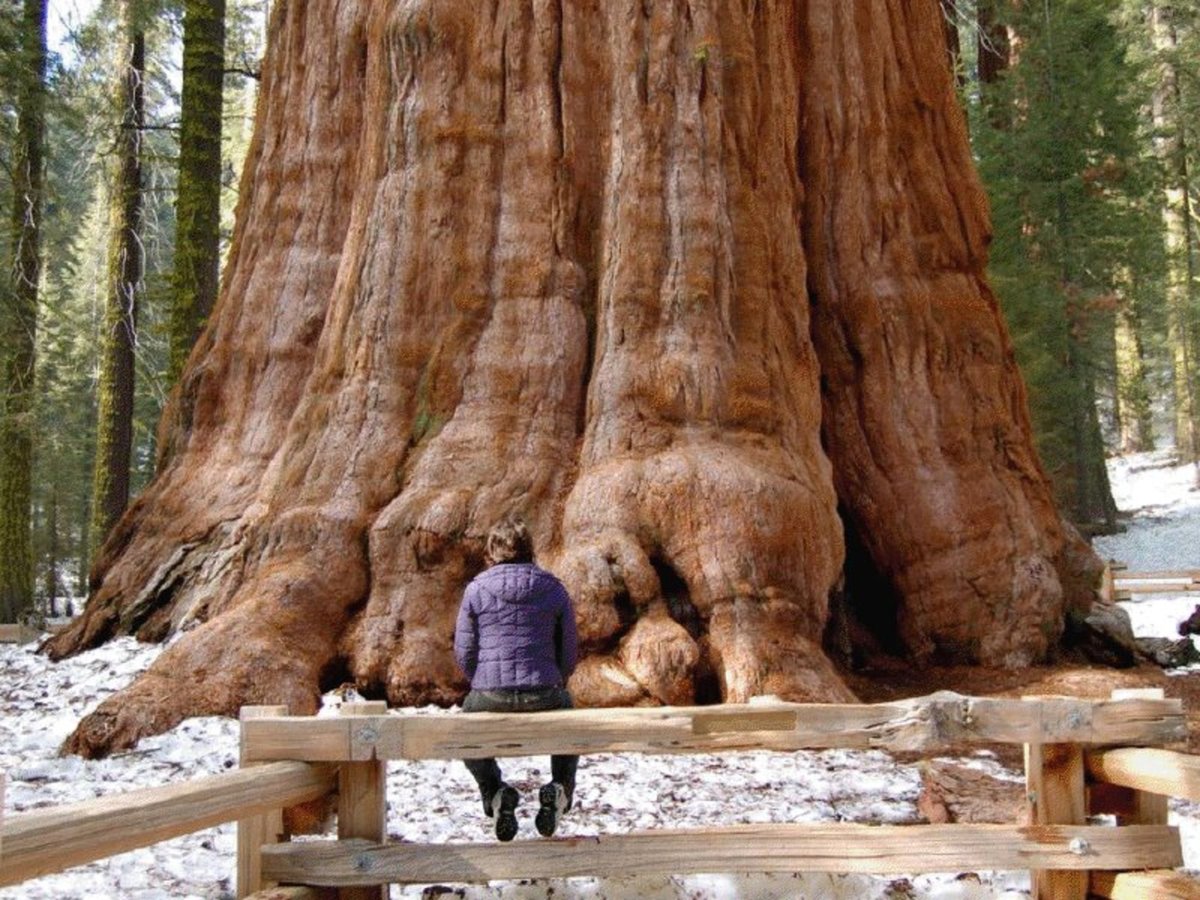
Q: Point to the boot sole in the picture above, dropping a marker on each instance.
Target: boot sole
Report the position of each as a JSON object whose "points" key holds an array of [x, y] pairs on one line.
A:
{"points": [[548, 814], [506, 819]]}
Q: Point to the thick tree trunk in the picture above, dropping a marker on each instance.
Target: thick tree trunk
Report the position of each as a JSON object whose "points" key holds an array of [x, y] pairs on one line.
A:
{"points": [[114, 415], [198, 206], [559, 258], [18, 321]]}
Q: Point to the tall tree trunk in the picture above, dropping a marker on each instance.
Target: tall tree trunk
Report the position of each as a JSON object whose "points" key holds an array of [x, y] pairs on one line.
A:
{"points": [[559, 258], [18, 321], [953, 42], [993, 44], [115, 392], [1172, 148], [1133, 401], [51, 588], [198, 207]]}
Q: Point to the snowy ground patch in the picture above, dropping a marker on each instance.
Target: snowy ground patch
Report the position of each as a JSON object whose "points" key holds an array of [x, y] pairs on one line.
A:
{"points": [[436, 801]]}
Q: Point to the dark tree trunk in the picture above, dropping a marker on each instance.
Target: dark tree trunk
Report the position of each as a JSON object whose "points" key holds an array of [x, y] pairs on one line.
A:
{"points": [[198, 208], [114, 421], [18, 321], [628, 269]]}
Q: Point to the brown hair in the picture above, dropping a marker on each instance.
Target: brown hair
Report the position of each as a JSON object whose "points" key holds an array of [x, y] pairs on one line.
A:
{"points": [[509, 542]]}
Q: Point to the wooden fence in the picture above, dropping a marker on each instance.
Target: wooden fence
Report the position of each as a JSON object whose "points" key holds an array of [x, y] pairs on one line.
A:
{"points": [[18, 634], [1121, 584], [1082, 758]]}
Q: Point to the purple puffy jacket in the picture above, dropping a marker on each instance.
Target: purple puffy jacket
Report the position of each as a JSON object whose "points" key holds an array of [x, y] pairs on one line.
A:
{"points": [[516, 629]]}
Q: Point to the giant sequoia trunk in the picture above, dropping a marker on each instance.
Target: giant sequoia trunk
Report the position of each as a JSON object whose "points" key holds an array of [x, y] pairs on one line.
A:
{"points": [[695, 286]]}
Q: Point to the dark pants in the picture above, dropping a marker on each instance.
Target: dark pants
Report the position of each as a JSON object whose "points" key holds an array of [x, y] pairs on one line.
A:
{"points": [[486, 771]]}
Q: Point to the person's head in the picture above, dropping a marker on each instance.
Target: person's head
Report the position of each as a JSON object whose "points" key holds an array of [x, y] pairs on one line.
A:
{"points": [[509, 542]]}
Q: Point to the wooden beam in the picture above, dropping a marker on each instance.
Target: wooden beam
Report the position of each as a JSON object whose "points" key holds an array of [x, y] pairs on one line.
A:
{"points": [[255, 829], [46, 841], [1159, 575], [1054, 787], [1161, 885], [1164, 772], [746, 848], [294, 893], [1153, 587], [18, 634], [926, 724], [362, 799]]}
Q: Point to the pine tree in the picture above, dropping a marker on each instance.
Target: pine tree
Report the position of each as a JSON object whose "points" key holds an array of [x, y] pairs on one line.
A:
{"points": [[115, 400], [18, 321], [198, 216], [1064, 162]]}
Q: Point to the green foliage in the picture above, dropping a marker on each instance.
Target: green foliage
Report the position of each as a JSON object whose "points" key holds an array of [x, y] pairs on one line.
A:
{"points": [[1073, 188]]}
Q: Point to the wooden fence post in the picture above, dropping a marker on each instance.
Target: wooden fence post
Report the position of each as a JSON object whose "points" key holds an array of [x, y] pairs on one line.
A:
{"points": [[255, 831], [362, 800], [1054, 787], [1130, 806]]}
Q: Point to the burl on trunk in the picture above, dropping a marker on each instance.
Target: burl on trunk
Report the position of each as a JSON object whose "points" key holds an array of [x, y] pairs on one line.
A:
{"points": [[697, 287]]}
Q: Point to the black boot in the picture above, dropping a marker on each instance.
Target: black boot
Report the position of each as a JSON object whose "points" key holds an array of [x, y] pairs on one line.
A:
{"points": [[554, 802], [503, 808]]}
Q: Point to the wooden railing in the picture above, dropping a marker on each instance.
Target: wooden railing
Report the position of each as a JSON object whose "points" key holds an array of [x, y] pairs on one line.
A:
{"points": [[1082, 758], [1121, 584]]}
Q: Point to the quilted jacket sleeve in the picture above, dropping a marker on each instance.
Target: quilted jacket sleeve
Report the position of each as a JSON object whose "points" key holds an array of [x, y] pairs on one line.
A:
{"points": [[568, 639], [466, 633]]}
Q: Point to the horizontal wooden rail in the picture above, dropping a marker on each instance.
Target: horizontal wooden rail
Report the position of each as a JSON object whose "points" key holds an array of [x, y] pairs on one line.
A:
{"points": [[18, 634], [879, 849], [42, 842], [925, 724], [293, 893], [1164, 885], [1161, 575], [1156, 771]]}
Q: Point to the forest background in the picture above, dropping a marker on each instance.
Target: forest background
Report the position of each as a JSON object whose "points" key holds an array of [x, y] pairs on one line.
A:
{"points": [[124, 125]]}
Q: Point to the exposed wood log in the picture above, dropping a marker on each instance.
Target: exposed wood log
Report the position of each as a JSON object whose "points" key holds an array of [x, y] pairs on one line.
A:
{"points": [[1145, 886], [1163, 772], [42, 842], [924, 724], [758, 848], [294, 893]]}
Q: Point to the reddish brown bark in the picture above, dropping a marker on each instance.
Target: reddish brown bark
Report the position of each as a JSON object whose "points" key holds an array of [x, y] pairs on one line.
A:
{"points": [[557, 258]]}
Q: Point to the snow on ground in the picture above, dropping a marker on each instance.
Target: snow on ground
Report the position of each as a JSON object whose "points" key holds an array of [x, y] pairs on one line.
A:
{"points": [[436, 801]]}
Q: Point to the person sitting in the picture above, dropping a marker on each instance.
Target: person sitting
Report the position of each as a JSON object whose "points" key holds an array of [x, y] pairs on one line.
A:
{"points": [[516, 640]]}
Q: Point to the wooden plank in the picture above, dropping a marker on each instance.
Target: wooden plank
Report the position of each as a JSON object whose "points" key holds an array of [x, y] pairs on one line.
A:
{"points": [[294, 893], [1054, 786], [1161, 885], [18, 634], [1164, 772], [264, 827], [46, 841], [362, 793], [925, 724], [1154, 587], [308, 738], [879, 849], [1157, 575]]}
